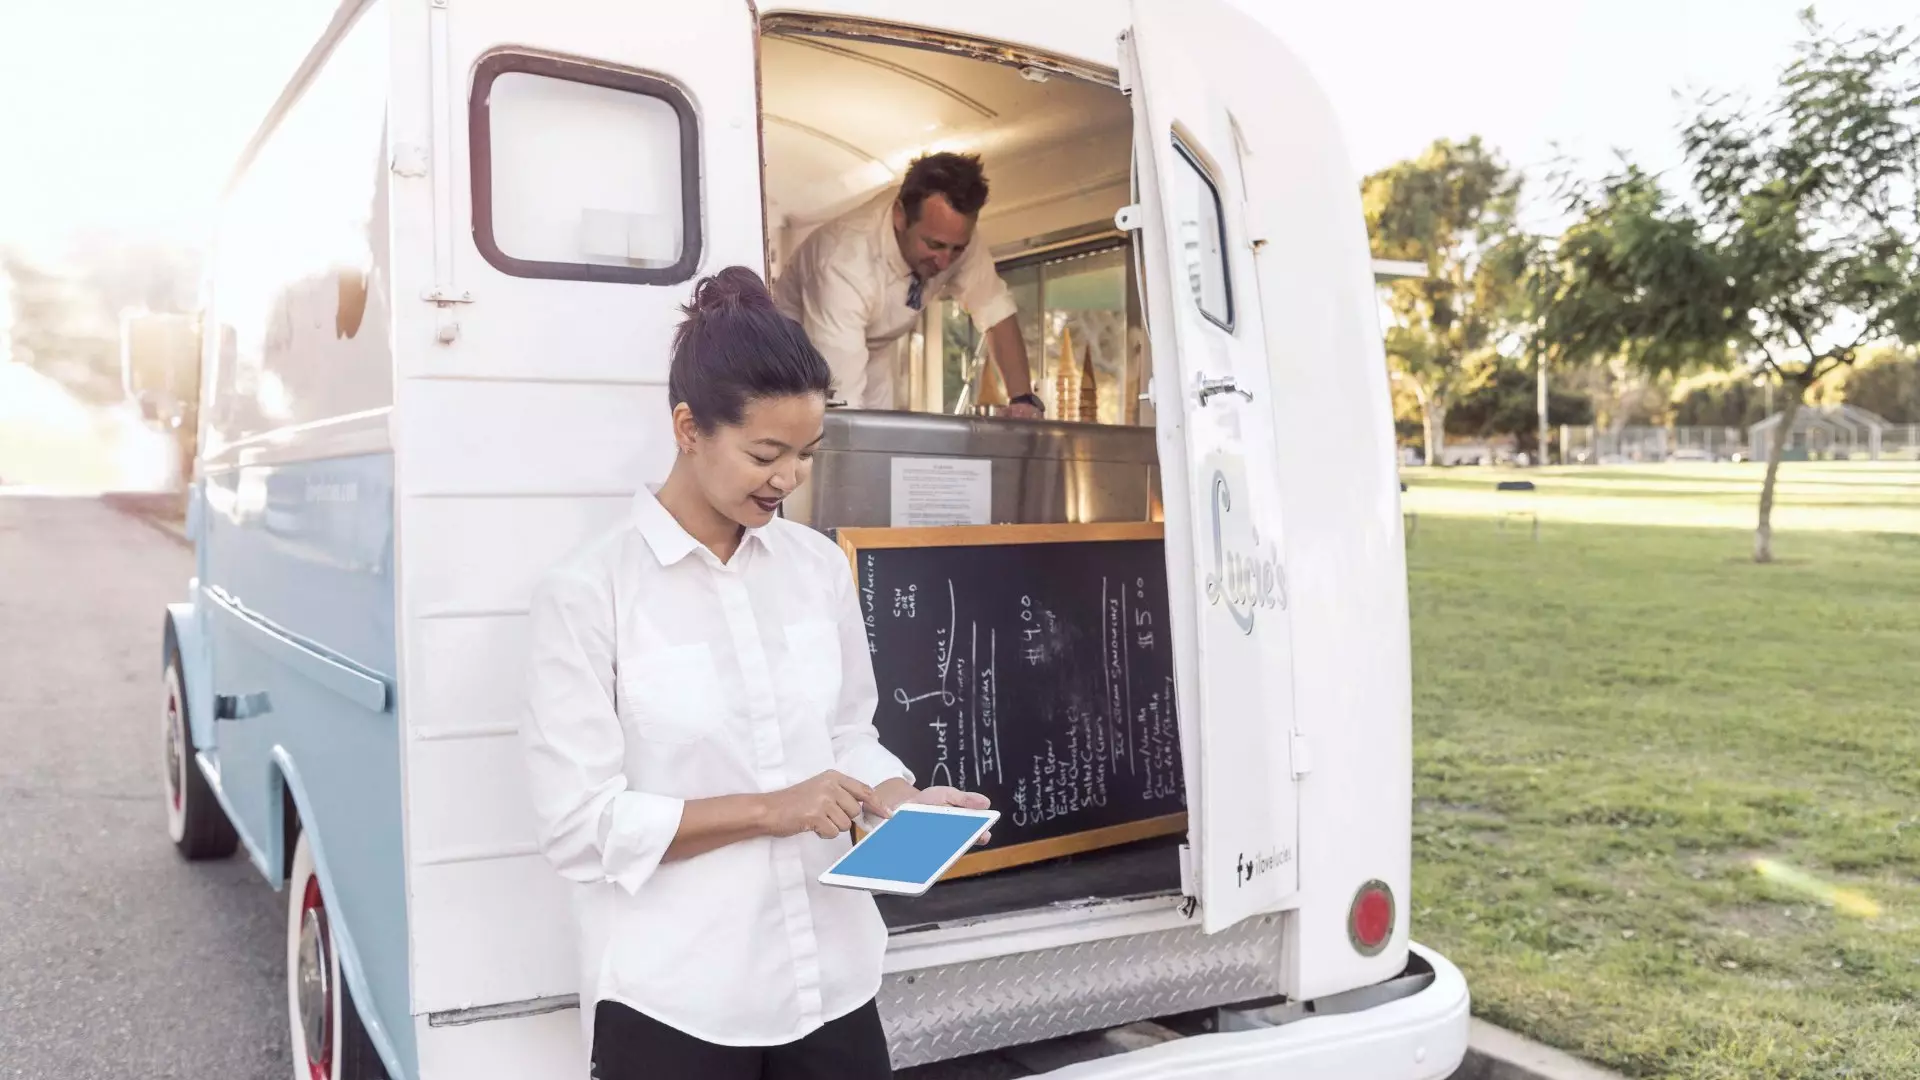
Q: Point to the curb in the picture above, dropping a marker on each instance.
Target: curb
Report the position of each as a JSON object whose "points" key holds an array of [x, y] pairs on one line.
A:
{"points": [[154, 511], [1494, 1053]]}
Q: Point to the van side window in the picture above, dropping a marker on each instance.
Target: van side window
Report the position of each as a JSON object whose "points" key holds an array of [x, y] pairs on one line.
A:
{"points": [[1202, 225], [583, 172]]}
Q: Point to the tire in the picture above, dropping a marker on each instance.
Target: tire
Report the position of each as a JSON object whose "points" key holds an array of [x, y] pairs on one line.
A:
{"points": [[196, 823], [327, 1039]]}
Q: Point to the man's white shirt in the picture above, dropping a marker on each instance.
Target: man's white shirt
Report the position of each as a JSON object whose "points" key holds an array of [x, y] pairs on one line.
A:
{"points": [[847, 285]]}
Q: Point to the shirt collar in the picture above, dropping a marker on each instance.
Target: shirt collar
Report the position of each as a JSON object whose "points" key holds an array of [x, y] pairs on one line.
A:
{"points": [[668, 540], [890, 244]]}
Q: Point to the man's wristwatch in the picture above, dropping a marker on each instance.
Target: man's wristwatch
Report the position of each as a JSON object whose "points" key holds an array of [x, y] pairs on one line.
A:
{"points": [[1030, 398]]}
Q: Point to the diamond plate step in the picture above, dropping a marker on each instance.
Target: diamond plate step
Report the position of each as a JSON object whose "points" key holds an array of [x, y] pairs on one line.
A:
{"points": [[946, 1012]]}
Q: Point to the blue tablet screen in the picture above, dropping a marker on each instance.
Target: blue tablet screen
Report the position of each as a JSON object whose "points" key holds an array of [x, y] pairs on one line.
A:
{"points": [[911, 847]]}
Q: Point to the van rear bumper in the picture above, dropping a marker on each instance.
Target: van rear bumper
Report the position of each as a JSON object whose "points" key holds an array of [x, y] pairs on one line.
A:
{"points": [[1422, 1036]]}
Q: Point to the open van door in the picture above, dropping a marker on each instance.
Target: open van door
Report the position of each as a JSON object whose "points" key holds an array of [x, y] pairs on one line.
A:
{"points": [[1225, 537]]}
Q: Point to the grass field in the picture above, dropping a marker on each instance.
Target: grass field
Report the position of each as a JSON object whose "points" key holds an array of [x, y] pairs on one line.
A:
{"points": [[1617, 725]]}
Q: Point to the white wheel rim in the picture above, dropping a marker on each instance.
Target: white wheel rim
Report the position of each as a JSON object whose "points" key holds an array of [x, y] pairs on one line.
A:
{"points": [[176, 757], [313, 974]]}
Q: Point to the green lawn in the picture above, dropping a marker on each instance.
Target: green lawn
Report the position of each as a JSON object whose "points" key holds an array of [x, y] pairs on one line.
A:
{"points": [[1615, 724]]}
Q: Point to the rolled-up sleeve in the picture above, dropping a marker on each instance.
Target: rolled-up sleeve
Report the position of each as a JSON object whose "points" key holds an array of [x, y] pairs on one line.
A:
{"points": [[592, 827], [980, 290], [856, 742]]}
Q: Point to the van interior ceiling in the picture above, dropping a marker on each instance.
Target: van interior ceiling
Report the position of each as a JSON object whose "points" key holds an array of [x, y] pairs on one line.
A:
{"points": [[844, 116]]}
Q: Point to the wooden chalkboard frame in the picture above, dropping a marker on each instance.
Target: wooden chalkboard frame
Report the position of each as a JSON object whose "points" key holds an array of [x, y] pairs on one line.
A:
{"points": [[854, 540]]}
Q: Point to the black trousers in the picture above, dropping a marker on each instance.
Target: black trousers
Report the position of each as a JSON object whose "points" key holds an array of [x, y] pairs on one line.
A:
{"points": [[628, 1045]]}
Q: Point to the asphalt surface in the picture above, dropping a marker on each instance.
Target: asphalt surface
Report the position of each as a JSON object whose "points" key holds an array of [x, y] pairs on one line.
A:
{"points": [[117, 957]]}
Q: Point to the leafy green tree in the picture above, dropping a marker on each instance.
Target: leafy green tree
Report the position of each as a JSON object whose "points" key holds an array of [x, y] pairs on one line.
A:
{"points": [[1887, 382], [1793, 244], [1449, 208], [1507, 404]]}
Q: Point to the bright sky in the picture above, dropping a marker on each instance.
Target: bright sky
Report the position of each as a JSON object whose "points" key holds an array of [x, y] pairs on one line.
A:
{"points": [[126, 115]]}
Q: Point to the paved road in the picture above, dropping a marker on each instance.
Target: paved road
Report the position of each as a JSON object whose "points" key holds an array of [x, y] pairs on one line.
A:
{"points": [[117, 958]]}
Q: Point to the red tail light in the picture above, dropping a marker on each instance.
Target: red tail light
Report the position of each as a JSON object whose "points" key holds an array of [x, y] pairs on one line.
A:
{"points": [[1370, 919]]}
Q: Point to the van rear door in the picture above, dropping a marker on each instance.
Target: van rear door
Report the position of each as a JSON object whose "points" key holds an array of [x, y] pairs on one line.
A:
{"points": [[1225, 534]]}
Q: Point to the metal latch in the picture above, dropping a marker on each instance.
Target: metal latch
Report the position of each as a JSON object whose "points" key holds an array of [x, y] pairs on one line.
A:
{"points": [[1223, 385], [1302, 755]]}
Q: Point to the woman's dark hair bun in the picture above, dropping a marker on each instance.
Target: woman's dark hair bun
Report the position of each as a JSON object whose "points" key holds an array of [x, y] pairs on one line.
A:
{"points": [[734, 289], [735, 347]]}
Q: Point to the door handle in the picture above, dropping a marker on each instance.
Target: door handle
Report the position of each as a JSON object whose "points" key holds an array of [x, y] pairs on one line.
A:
{"points": [[1212, 387], [241, 706]]}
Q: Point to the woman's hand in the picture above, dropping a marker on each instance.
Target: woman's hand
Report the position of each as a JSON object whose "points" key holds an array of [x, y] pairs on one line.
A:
{"points": [[826, 806]]}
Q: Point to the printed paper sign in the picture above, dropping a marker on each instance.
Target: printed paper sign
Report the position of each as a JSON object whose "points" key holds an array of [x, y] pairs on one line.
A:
{"points": [[941, 491]]}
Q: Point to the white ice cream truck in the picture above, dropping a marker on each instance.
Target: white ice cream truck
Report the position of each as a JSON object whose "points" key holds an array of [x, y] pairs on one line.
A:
{"points": [[433, 360]]}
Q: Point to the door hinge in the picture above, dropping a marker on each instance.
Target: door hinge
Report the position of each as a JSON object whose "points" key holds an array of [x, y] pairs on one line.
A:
{"points": [[1210, 388], [1125, 70], [440, 294], [1187, 886], [1256, 218], [1128, 218], [1302, 755]]}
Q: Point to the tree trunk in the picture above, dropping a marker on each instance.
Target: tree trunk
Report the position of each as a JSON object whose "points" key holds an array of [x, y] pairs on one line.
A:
{"points": [[1763, 535], [1435, 415]]}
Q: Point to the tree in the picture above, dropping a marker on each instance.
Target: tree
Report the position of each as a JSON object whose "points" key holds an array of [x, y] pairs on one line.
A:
{"points": [[62, 329], [1448, 208], [1506, 405], [65, 321], [1886, 382], [1794, 244], [1718, 399]]}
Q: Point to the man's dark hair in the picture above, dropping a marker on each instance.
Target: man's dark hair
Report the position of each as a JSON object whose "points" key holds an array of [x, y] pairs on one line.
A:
{"points": [[959, 177], [735, 347]]}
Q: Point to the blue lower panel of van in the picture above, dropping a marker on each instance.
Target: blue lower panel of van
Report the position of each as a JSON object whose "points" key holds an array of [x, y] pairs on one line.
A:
{"points": [[297, 608]]}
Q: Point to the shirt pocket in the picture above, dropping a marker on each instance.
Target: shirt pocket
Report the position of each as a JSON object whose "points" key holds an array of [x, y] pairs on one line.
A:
{"points": [[672, 695], [810, 677]]}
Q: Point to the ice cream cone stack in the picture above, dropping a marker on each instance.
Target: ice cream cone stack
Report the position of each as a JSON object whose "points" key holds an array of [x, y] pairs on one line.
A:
{"points": [[1089, 391]]}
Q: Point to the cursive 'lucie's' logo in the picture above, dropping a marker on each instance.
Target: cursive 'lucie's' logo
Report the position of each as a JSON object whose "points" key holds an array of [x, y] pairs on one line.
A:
{"points": [[1244, 578]]}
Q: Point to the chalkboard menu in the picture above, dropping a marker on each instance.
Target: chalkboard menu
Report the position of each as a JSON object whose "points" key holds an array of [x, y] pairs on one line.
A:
{"points": [[1032, 664]]}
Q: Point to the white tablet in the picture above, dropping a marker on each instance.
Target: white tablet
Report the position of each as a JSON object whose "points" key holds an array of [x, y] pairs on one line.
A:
{"points": [[905, 854]]}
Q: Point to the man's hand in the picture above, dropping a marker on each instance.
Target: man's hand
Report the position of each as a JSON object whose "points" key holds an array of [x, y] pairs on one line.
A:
{"points": [[1020, 410], [825, 806]]}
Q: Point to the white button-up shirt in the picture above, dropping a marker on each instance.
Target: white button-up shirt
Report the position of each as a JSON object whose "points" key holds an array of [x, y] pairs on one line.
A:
{"points": [[847, 286], [660, 675]]}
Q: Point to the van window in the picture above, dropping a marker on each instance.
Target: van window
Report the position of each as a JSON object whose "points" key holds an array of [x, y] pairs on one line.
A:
{"points": [[583, 173], [1202, 238]]}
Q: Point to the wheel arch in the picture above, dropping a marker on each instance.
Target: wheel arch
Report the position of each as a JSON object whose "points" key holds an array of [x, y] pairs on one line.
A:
{"points": [[181, 634]]}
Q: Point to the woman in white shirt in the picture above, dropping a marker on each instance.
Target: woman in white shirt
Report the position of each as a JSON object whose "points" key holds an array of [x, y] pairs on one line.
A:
{"points": [[700, 736]]}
